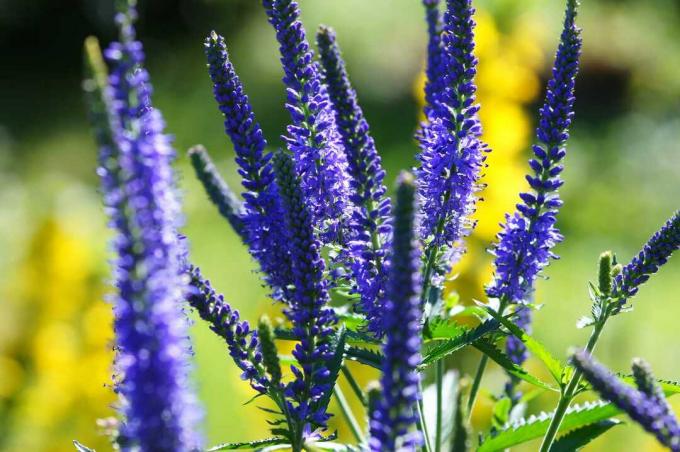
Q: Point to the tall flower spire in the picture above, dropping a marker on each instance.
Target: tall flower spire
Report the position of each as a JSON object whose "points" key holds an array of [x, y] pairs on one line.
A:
{"points": [[654, 254], [369, 226], [312, 137], [452, 154], [262, 216], [529, 234], [152, 363], [647, 406], [393, 420], [308, 309]]}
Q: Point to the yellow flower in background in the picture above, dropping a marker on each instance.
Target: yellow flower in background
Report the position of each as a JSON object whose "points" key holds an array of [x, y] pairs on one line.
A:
{"points": [[56, 364], [507, 81]]}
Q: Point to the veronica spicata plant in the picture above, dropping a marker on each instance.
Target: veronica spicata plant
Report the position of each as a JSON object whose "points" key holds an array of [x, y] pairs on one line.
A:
{"points": [[357, 278]]}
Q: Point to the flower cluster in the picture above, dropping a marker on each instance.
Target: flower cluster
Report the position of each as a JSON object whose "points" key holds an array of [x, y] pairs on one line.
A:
{"points": [[647, 405], [452, 154], [341, 260], [528, 235], [392, 421], [151, 330], [369, 226], [525, 243], [262, 216], [308, 309], [654, 254], [312, 137], [243, 343]]}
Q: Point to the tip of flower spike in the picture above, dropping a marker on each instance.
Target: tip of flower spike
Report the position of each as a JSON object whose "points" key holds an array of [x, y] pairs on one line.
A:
{"points": [[94, 61], [327, 32], [406, 179]]}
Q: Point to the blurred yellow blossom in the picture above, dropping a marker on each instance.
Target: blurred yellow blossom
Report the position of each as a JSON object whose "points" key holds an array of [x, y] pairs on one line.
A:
{"points": [[57, 365]]}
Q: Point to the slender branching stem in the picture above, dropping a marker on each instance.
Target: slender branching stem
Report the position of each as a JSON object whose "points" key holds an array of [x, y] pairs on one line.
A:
{"points": [[474, 389], [422, 425], [567, 394], [439, 377]]}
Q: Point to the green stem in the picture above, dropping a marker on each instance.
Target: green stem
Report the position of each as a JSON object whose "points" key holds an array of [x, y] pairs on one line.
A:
{"points": [[422, 426], [475, 384], [347, 412], [482, 367], [439, 379], [568, 393], [355, 386]]}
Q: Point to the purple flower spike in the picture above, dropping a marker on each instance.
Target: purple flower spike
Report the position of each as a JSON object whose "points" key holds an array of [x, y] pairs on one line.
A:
{"points": [[369, 225], [392, 422], [654, 254], [243, 343], [308, 309], [528, 235], [312, 137], [646, 406], [452, 154], [262, 217], [435, 61], [152, 362]]}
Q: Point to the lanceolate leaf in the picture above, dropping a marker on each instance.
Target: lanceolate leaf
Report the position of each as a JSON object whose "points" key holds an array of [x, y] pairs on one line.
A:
{"points": [[535, 426], [554, 366], [489, 349], [465, 337], [580, 437], [250, 445]]}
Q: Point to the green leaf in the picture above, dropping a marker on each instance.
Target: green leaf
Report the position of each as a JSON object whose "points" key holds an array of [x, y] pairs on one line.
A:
{"points": [[366, 356], [576, 439], [249, 445], [535, 426], [554, 366], [442, 328], [448, 346], [501, 412], [489, 349], [333, 365], [82, 448]]}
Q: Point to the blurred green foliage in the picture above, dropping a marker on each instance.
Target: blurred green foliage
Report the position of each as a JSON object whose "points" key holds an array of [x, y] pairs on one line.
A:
{"points": [[621, 172]]}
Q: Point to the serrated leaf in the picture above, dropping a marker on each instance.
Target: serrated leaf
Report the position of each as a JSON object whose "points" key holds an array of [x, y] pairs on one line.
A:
{"points": [[249, 445], [503, 360], [465, 338], [535, 426], [333, 365], [82, 448], [352, 337], [442, 328], [366, 356], [576, 439], [554, 366]]}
